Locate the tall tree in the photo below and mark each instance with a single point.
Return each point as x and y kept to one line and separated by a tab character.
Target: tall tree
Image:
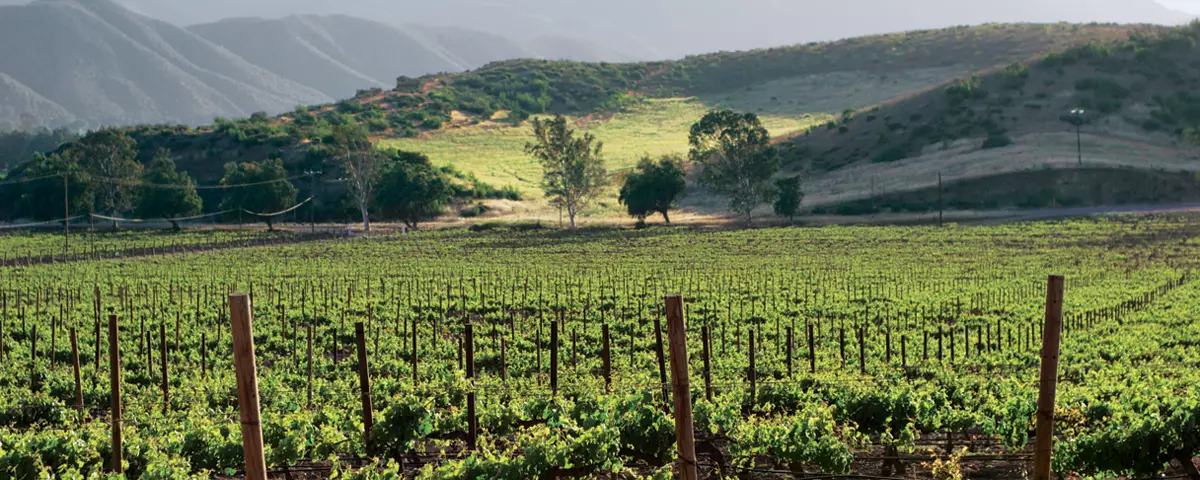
267	188
654	186
109	156
166	192
412	190
361	162
790	197
573	172
737	160
43	199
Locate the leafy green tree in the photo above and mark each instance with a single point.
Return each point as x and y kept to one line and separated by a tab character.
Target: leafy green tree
790	197
362	164
267	188
654	187
412	190
573	172
109	156
43	199
166	192
737	160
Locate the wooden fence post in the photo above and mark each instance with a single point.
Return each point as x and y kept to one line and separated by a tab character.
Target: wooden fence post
166	379
472	420
413	360
662	361
606	357
246	371
308	390
812	351
706	345
114	382
1049	378
553	358
364	385
790	351
75	367
203	355
33	383
684	436
753	373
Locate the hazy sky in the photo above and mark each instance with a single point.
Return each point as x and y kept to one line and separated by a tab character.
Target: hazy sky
1190	6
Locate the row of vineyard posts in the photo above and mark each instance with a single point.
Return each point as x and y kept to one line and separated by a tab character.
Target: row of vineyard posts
239	307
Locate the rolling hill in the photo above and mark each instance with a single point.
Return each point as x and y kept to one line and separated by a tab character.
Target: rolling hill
865	117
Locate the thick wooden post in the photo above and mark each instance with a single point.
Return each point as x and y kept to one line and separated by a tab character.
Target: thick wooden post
413	360
684	436
166	379
812	352
790	351
606	357
246	371
472	420
203	355
114	382
308	390
364	384
862	350
554	358
753	373
504	360
1044	445
662	361
75	367
706	345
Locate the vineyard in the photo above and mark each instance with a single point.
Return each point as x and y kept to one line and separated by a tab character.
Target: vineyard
839	352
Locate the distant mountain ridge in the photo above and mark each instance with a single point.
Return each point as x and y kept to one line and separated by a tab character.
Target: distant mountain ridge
664	29
337	55
89	63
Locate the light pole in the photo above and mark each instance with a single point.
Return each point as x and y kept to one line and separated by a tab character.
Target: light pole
1078	114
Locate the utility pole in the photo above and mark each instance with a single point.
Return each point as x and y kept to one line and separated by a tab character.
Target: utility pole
1078	114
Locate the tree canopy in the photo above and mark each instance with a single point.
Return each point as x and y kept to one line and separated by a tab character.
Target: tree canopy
790	197
654	187
411	189
736	158
109	156
43	200
167	192
268	189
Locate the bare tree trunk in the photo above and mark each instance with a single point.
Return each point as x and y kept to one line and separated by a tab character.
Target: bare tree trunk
366	217
666	217
748	224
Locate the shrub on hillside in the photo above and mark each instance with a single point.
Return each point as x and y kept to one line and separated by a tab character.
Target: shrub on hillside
997	140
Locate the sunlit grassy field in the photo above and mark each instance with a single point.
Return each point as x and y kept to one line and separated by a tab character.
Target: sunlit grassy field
495	153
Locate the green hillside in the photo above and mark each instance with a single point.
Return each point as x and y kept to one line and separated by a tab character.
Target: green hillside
846	105
1139	111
